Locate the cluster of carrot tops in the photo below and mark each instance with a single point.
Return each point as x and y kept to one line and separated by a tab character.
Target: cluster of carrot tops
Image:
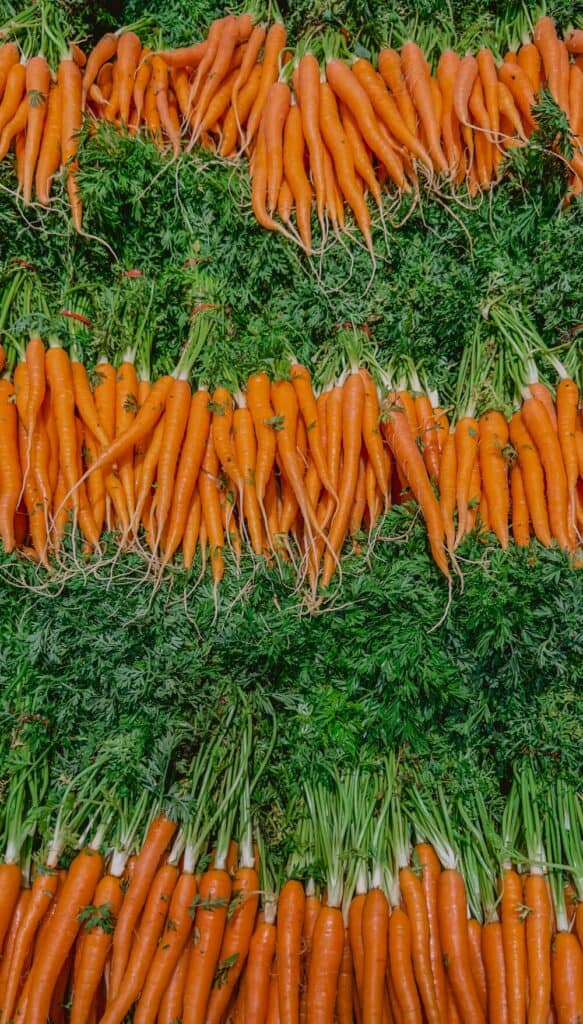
278	465
392	905
314	126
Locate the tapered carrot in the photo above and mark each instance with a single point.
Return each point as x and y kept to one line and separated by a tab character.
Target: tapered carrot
308	90
191	456
209	925
538	946
245	101
452	910
173	997
567	977
49	157
77	893
38	80
96	946
375	925
14	92
327	953
19	914
387	110
540	428
518	83
246	457
418	83
70	84
426	858
295	173
466	442
401	967
259	964
408	457
476	962
345	993
274	44
236	940
352	418
211	506
159	88
567	402
290	916
493	439
416	908
493	956
102	52
337	144
158	838
519	506
533	478
348	89
514	943
447	72
275	113
129	50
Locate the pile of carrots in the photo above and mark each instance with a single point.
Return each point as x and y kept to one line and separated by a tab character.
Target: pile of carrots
287	469
316	128
392	906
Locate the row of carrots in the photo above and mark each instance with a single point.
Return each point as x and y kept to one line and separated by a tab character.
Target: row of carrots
290	470
333	130
392	907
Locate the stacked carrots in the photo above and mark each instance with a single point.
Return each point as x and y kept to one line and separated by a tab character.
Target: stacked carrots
313	126
290	470
393	906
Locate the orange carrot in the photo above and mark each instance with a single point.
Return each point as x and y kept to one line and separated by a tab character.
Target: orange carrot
289	936
70	85
418	83
49	157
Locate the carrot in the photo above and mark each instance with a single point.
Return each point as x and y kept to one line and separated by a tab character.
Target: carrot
348	89
95	948
375	931
452	911
159	835
372	437
209	924
520	520
476	961
18	915
14	129
191	456
38	81
312	908
447	72
401	967
285	404
447	488
95	483
259	185
327	953
295	173
416	909
177	410
49	157
70	83
567	403
274	44
259	964
159	87
389	65
246	99
513	939
538	946
489	78
129	50
144	944
418	83
360	154
9	56
236	939
192	530
337	143
211	506
529	60
14	91
509	110
533	478
185	56
289	936
576	99
427	860
567	977
248	65
142	78
466	444
352	418
77	892
481	121
10	881
222	402
408	457
387	110
466	77
308	90
216	72
246	457
493	439
146	419
427	434
172	999
493	956
540	428
103	51
518	83
277	105
259	401
345	995
60	378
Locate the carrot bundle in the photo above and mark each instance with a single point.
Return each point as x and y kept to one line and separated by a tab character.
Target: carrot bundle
399	932
322	135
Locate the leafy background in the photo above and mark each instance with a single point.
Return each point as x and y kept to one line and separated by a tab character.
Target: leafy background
464	687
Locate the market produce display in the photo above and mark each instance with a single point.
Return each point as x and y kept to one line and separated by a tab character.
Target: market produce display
388	903
287	470
291	602
329	132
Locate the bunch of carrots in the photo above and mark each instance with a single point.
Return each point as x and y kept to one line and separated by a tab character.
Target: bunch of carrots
316	128
291	470
393	905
